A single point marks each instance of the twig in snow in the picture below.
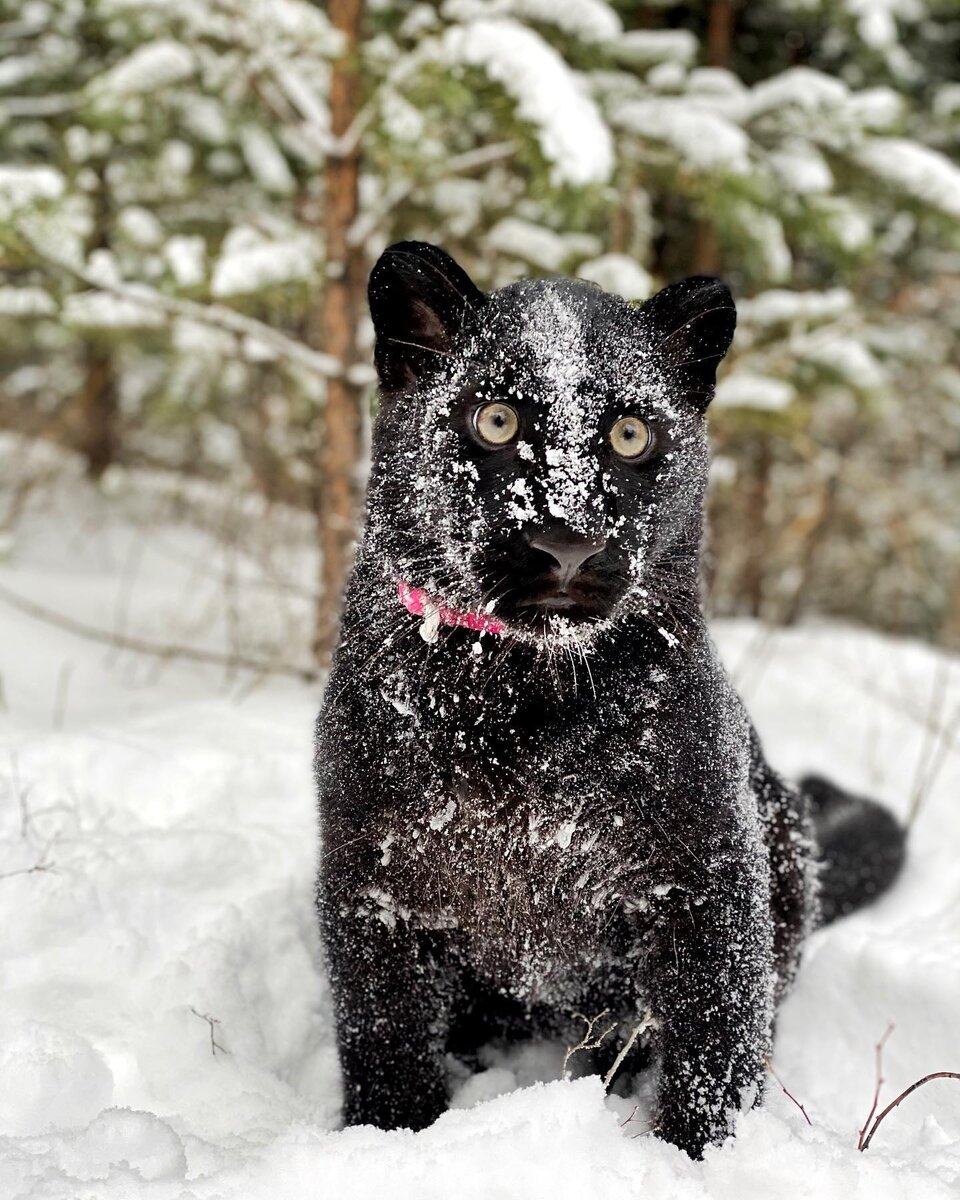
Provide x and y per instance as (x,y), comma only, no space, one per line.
(588,1041)
(903,1095)
(213,1022)
(783,1088)
(865,1137)
(647,1021)
(40,867)
(643,1132)
(878,1061)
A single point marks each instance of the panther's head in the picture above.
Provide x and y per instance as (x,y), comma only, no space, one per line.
(540,453)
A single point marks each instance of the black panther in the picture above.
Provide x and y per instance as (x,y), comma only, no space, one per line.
(539,793)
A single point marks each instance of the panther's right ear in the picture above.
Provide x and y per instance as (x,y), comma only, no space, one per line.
(420,301)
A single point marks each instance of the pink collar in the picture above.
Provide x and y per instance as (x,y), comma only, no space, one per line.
(418,602)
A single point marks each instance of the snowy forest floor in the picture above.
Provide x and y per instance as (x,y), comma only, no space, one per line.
(165,1028)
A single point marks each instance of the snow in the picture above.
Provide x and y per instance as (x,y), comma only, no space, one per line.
(205,119)
(849,358)
(528,242)
(21,187)
(589,20)
(101,310)
(149,68)
(172,807)
(801,167)
(877,19)
(26,301)
(16,68)
(249,261)
(571,131)
(850,222)
(620,274)
(140,226)
(876,108)
(642,47)
(946,101)
(703,139)
(766,232)
(717,82)
(186,257)
(265,161)
(918,171)
(747,389)
(800,88)
(778,305)
(258,23)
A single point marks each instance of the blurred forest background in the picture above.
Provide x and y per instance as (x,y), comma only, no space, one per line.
(193,191)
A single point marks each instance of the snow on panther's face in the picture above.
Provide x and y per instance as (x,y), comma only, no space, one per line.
(540,452)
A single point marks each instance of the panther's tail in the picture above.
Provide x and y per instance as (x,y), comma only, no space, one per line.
(862,847)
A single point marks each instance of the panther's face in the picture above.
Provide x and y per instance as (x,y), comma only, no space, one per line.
(540,451)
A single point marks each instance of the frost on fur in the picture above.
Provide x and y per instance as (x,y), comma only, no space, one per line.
(540,795)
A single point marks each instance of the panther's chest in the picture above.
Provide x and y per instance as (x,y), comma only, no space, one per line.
(531,882)
(522,831)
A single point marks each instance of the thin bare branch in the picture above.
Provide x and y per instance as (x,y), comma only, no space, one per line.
(878,1071)
(588,1041)
(459,164)
(213,1022)
(899,1100)
(783,1088)
(217,316)
(43,865)
(630,1119)
(647,1021)
(160,650)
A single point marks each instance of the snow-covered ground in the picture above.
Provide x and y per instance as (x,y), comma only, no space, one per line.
(165,1029)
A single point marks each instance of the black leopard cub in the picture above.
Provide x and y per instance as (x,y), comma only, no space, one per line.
(539,793)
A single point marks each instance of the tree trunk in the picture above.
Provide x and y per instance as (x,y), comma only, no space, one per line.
(706,251)
(334,330)
(720,23)
(720,27)
(97,403)
(97,410)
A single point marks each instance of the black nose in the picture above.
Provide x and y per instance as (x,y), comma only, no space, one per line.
(568,549)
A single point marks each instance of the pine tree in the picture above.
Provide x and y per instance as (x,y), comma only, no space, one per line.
(195,189)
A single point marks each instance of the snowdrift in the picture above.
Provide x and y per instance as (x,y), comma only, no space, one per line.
(165,1029)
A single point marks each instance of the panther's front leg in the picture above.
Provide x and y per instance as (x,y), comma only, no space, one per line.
(711,984)
(391,1007)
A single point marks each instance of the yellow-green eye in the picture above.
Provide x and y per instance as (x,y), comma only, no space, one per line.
(630,437)
(496,424)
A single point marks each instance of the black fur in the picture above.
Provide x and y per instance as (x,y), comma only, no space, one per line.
(575,814)
(861,847)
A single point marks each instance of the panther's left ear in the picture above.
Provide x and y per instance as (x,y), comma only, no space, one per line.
(690,327)
(422,303)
